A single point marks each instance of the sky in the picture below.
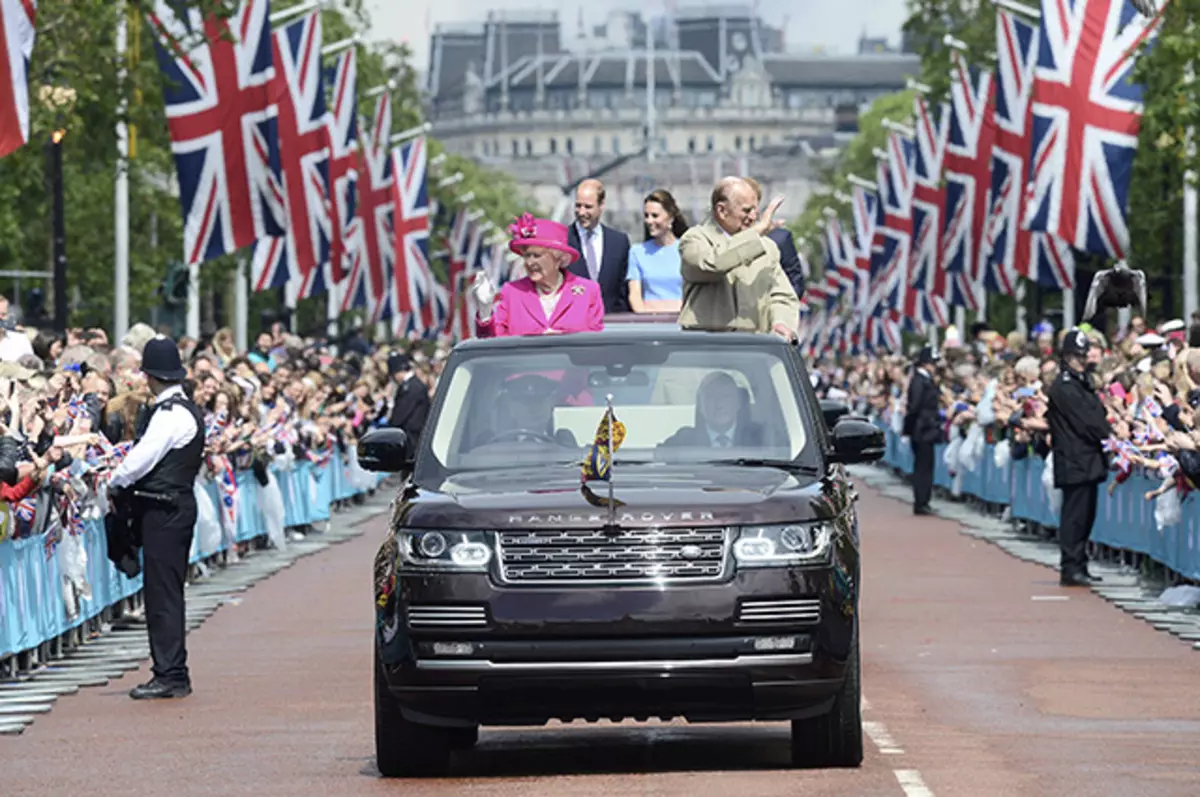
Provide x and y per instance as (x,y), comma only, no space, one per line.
(830,23)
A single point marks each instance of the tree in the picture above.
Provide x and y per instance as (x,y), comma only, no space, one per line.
(858,159)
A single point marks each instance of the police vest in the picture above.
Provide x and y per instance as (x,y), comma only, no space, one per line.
(176,472)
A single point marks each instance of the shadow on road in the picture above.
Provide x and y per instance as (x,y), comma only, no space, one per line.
(602,750)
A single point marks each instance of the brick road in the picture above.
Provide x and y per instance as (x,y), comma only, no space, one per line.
(978,679)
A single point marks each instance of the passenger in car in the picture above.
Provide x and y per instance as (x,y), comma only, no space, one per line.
(550,300)
(526,414)
(732,277)
(722,418)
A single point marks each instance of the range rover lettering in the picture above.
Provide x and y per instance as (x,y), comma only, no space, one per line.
(709,570)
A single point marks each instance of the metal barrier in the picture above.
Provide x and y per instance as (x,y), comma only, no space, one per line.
(34,622)
(1125,520)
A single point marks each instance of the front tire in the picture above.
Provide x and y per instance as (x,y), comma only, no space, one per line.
(834,739)
(404,748)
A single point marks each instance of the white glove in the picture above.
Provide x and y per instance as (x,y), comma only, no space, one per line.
(485,295)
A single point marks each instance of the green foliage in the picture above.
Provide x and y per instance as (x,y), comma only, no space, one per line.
(75,50)
(858,159)
(972,22)
(1156,192)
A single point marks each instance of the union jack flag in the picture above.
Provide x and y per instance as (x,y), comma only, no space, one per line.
(893,229)
(299,93)
(376,206)
(411,246)
(17,32)
(304,138)
(1008,243)
(862,206)
(1086,115)
(461,323)
(839,254)
(927,278)
(223,126)
(968,180)
(343,163)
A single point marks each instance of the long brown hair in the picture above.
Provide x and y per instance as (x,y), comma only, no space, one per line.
(663,197)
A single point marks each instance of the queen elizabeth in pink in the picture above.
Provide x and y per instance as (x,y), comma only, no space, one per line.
(548,301)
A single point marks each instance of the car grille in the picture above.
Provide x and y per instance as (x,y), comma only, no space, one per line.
(447,616)
(775,612)
(642,555)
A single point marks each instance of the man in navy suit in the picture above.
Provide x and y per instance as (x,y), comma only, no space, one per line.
(789,258)
(604,251)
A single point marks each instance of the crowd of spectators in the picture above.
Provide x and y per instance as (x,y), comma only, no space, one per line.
(993,390)
(71,406)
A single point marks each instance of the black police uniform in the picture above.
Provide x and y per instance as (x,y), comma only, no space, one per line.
(410,408)
(163,508)
(1078,428)
(923,427)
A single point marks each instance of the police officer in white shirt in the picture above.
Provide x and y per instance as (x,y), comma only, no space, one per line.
(157,478)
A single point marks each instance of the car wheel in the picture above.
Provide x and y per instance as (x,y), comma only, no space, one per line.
(834,739)
(404,748)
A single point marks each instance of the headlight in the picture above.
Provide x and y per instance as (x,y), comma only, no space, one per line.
(775,546)
(459,551)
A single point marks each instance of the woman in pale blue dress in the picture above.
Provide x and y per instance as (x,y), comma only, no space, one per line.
(655,283)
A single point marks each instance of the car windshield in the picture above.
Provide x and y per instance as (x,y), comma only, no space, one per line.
(682,402)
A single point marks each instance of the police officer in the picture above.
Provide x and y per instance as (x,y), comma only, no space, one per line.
(156,478)
(1078,427)
(410,405)
(922,426)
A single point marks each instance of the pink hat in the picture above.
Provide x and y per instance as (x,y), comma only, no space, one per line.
(528,231)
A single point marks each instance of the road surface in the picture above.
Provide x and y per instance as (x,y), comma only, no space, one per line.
(981,677)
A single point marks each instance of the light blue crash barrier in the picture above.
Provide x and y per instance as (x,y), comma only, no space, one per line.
(1124,520)
(33,609)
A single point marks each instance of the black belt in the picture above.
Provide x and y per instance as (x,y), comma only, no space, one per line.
(162,499)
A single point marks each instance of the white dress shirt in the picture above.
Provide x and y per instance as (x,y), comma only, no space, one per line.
(597,244)
(729,434)
(168,430)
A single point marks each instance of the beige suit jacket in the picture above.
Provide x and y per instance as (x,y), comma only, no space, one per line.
(734,282)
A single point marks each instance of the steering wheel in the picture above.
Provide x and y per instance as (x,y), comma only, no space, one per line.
(523,436)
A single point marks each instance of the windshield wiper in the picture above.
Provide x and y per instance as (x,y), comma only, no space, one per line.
(754,462)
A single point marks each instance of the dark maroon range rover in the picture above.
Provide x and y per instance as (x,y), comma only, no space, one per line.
(715,577)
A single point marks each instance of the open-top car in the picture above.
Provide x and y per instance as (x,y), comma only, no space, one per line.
(714,576)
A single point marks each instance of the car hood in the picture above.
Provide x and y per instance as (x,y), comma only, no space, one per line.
(647,496)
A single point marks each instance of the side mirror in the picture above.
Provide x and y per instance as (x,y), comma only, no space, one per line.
(857,440)
(833,411)
(385,450)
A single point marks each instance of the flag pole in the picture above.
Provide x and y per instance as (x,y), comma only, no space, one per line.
(612,504)
(241,306)
(411,133)
(344,44)
(296,11)
(121,189)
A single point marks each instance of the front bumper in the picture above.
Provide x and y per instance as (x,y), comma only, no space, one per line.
(501,655)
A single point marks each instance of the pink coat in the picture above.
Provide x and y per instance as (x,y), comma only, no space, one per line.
(519,310)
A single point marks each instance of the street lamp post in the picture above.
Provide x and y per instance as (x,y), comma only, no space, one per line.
(58,99)
(60,233)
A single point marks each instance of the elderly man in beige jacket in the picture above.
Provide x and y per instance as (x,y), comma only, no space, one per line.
(732,279)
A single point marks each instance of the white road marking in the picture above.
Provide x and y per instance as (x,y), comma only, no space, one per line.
(912,783)
(882,739)
(1049,597)
(910,779)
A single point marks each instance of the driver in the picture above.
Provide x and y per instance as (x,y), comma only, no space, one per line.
(527,413)
(720,421)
